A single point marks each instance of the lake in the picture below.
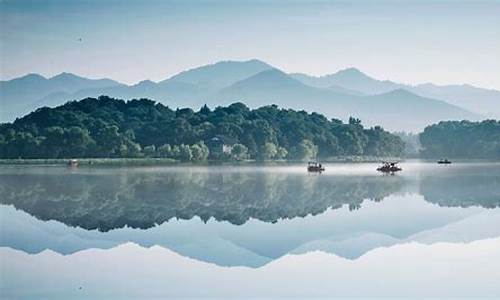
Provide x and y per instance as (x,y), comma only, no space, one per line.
(250,231)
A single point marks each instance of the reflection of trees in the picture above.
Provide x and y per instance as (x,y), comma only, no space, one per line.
(141,200)
(464,190)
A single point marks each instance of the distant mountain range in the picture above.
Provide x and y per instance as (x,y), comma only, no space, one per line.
(340,95)
(478,100)
(20,96)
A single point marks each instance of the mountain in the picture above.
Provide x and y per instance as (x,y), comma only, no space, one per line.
(219,75)
(482,101)
(478,100)
(405,110)
(272,87)
(351,79)
(70,82)
(346,93)
(323,82)
(351,246)
(394,110)
(22,95)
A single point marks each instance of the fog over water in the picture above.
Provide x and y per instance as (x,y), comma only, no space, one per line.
(264,223)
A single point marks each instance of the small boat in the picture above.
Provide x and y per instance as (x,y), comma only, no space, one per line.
(73,163)
(444,161)
(389,167)
(314,167)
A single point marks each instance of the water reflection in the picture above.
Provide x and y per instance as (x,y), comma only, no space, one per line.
(471,188)
(410,271)
(106,199)
(110,199)
(193,211)
(273,219)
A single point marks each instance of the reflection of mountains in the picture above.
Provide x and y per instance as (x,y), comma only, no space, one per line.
(473,189)
(141,199)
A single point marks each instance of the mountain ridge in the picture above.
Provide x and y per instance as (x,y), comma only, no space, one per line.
(252,81)
(478,100)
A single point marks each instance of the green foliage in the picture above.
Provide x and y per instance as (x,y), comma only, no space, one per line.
(462,139)
(354,121)
(268,151)
(199,151)
(281,153)
(130,149)
(185,153)
(239,152)
(412,143)
(111,128)
(111,200)
(150,151)
(305,150)
(164,150)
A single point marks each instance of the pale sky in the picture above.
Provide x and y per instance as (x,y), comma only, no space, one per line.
(129,41)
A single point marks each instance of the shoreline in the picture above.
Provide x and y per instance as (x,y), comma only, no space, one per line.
(170,161)
(90,162)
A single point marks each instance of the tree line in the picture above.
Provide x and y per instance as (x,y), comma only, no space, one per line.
(106,127)
(462,139)
(109,201)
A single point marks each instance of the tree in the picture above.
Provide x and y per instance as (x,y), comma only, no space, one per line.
(199,151)
(281,153)
(150,151)
(239,152)
(108,141)
(462,139)
(354,121)
(107,127)
(185,153)
(165,151)
(77,142)
(268,151)
(130,149)
(21,145)
(175,152)
(51,145)
(305,150)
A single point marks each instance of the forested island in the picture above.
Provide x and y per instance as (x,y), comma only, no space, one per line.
(111,128)
(461,139)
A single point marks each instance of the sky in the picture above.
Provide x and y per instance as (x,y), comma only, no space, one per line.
(443,42)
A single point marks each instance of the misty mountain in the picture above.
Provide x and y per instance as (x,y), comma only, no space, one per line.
(174,94)
(405,110)
(481,101)
(346,93)
(275,87)
(21,95)
(395,110)
(219,75)
(351,79)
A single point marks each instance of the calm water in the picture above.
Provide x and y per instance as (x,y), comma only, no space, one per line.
(250,231)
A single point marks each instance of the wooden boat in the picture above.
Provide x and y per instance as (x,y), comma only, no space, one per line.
(73,163)
(444,161)
(315,167)
(389,167)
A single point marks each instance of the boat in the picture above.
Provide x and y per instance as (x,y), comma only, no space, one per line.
(389,167)
(444,161)
(73,163)
(315,167)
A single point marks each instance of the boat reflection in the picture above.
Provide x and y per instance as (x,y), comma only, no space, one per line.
(115,198)
(194,211)
(143,199)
